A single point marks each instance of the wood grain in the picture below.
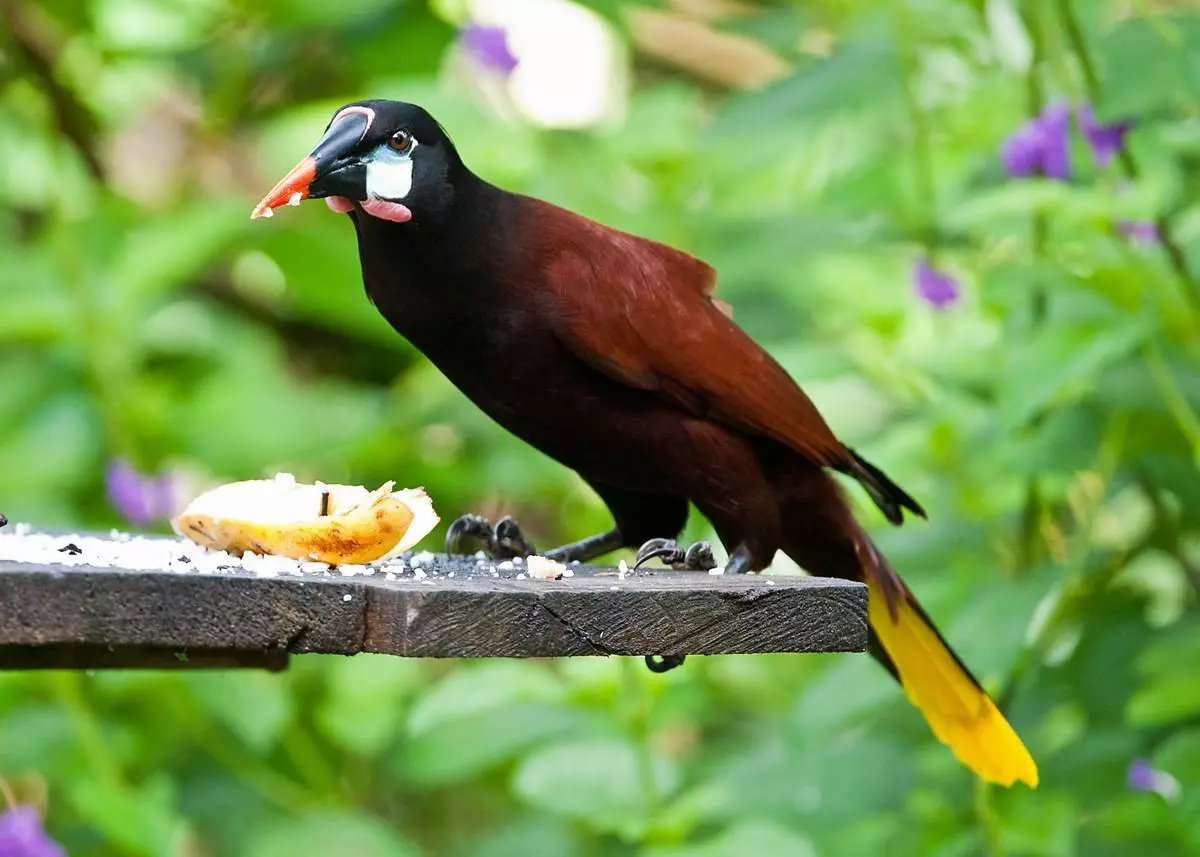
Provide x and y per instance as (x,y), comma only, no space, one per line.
(83,617)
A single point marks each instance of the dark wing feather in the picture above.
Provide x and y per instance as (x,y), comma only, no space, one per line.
(643,313)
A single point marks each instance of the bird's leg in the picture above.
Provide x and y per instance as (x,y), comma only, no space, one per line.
(697,556)
(739,560)
(587,549)
(504,541)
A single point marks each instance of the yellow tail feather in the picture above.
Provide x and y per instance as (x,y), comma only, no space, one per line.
(960,714)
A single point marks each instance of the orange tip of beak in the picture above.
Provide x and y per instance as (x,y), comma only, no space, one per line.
(289,191)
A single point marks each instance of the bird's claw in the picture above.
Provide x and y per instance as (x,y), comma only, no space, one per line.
(697,556)
(663,663)
(504,541)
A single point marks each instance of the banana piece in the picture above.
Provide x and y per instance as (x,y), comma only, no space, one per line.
(334,524)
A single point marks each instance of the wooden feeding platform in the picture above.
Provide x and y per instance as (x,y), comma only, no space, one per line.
(67,602)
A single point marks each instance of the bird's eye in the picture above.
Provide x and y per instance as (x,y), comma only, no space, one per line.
(401,141)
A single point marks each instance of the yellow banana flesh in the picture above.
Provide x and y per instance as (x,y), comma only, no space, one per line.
(334,524)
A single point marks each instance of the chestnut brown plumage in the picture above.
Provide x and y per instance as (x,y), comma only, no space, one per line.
(609,353)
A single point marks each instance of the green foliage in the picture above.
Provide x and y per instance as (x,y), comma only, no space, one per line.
(1048,421)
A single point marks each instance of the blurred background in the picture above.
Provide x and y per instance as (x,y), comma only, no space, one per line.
(970,229)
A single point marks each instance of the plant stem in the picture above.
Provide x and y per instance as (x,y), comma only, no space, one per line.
(1166,235)
(1173,397)
(1035,104)
(67,685)
(74,120)
(1074,583)
(989,819)
(271,785)
(922,146)
(636,689)
(1034,506)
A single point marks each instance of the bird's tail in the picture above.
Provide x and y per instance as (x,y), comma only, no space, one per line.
(825,539)
(891,499)
(957,709)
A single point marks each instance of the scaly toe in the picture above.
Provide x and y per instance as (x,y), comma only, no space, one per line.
(508,541)
(664,549)
(699,557)
(465,531)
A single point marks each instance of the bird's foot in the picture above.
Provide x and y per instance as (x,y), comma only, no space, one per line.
(503,541)
(697,556)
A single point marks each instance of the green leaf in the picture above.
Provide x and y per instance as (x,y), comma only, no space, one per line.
(472,689)
(363,708)
(535,835)
(1063,363)
(138,820)
(1165,51)
(1166,700)
(863,72)
(254,706)
(1041,825)
(1009,35)
(605,784)
(329,833)
(456,749)
(163,253)
(758,837)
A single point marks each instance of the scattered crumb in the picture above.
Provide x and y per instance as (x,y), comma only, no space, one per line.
(622,570)
(521,576)
(347,597)
(541,568)
(720,569)
(507,565)
(568,573)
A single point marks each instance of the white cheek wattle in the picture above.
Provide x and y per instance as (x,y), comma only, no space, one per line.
(388,179)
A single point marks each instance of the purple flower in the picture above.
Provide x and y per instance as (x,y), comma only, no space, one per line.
(1040,145)
(1139,231)
(22,835)
(141,499)
(1105,140)
(935,288)
(1142,777)
(1022,150)
(489,47)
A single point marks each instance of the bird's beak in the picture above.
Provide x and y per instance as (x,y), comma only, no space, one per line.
(330,169)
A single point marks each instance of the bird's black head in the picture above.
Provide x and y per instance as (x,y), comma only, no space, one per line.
(389,159)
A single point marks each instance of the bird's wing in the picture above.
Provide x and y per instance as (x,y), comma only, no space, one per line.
(644,313)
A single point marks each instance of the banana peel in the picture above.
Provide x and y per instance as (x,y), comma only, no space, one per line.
(334,524)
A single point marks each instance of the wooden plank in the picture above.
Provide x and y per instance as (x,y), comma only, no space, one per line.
(81,616)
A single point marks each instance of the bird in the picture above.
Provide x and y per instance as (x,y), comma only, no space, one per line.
(611,354)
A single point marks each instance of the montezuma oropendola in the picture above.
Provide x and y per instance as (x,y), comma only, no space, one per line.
(609,353)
